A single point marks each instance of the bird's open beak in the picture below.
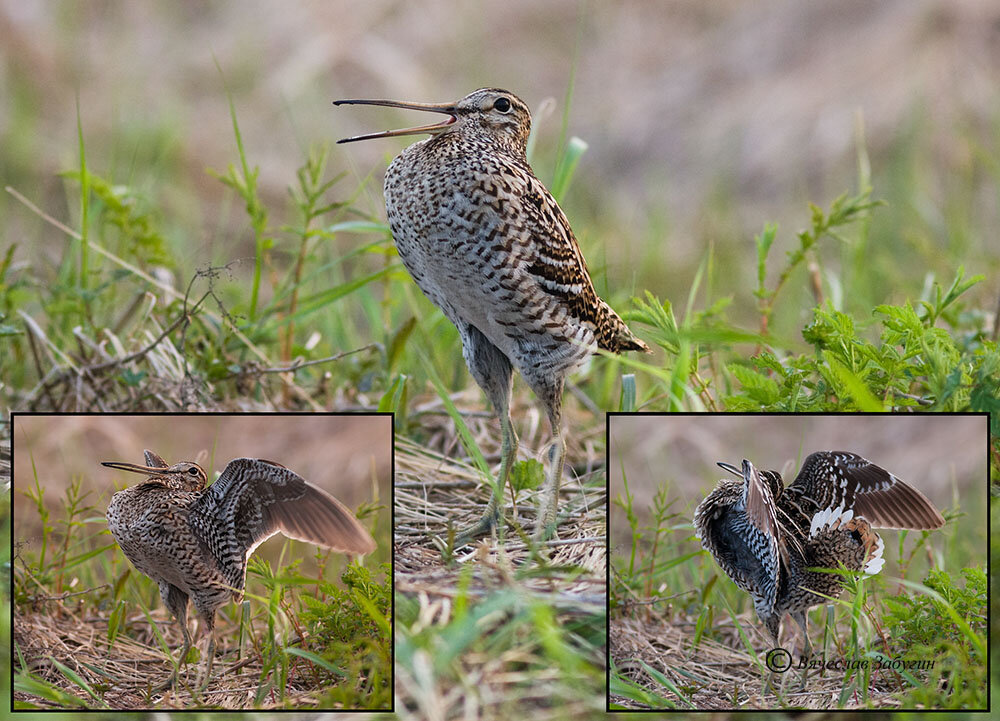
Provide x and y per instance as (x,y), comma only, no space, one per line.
(132,467)
(730,467)
(446,108)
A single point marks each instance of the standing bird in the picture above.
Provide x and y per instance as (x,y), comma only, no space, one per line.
(195,541)
(766,537)
(489,245)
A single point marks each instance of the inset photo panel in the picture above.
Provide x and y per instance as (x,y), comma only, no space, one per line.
(209,560)
(766,561)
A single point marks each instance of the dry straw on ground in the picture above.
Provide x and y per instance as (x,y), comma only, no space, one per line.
(435,492)
(67,635)
(714,675)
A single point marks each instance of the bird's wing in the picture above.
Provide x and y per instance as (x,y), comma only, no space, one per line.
(253,499)
(761,512)
(759,502)
(840,478)
(555,262)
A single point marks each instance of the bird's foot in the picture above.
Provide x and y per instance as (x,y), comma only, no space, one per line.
(548,522)
(181,661)
(545,531)
(490,520)
(483,526)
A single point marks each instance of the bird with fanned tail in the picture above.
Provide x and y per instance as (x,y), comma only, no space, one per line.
(775,542)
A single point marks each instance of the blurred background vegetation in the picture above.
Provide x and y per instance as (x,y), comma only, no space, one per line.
(703,123)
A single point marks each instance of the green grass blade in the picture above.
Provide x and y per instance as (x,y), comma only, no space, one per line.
(463,430)
(628,393)
(318,660)
(566,168)
(76,679)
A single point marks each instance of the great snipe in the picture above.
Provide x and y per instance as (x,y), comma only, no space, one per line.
(489,245)
(195,541)
(766,537)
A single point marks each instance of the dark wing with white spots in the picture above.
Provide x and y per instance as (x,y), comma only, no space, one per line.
(840,478)
(254,499)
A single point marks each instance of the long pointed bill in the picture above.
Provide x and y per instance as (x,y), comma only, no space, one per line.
(730,467)
(446,108)
(131,467)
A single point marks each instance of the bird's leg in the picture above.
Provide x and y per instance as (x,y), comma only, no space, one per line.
(205,676)
(772,627)
(177,601)
(209,658)
(545,526)
(800,619)
(772,624)
(508,453)
(494,374)
(185,648)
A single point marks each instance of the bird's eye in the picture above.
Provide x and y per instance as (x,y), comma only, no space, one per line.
(502,105)
(192,471)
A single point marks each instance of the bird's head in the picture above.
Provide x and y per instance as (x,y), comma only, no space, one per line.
(772,479)
(183,476)
(493,114)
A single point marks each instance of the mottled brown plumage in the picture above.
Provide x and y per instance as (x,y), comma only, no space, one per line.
(766,537)
(489,245)
(195,541)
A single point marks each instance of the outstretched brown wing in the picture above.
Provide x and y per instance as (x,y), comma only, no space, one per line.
(255,499)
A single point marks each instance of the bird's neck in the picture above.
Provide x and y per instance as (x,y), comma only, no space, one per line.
(473,143)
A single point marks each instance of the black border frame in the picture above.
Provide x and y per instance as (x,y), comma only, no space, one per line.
(989,586)
(209,709)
